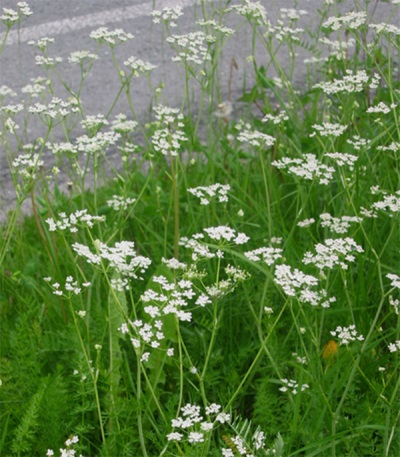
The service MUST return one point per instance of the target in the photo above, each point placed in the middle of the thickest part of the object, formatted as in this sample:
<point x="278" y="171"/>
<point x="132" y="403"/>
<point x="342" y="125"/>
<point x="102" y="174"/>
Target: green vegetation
<point x="225" y="285"/>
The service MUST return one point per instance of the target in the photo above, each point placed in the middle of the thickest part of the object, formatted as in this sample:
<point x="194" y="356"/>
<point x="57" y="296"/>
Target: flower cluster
<point x="338" y="224"/>
<point x="93" y="123"/>
<point x="351" y="82"/>
<point x="333" y="252"/>
<point x="36" y="88"/>
<point x="138" y="66"/>
<point x="121" y="124"/>
<point x="251" y="10"/>
<point x="11" y="17"/>
<point x="56" y="109"/>
<point x="222" y="29"/>
<point x="255" y="138"/>
<point x="206" y="193"/>
<point x="192" y="424"/>
<point x="118" y="203"/>
<point x="167" y="15"/>
<point x="110" y="37"/>
<point x="297" y="284"/>
<point x="308" y="167"/>
<point x="68" y="452"/>
<point x="328" y="129"/>
<point x="381" y="108"/>
<point x="343" y="159"/>
<point x="71" y="287"/>
<point x="145" y="334"/>
<point x="390" y="203"/>
<point x="47" y="62"/>
<point x="346" y="334"/>
<point x="268" y="255"/>
<point x="338" y="48"/>
<point x="96" y="144"/>
<point x="168" y="139"/>
<point x="192" y="47"/>
<point x="80" y="57"/>
<point x="395" y="280"/>
<point x="122" y="257"/>
<point x="352" y="20"/>
<point x="80" y="218"/>
<point x="6" y="91"/>
<point x="27" y="165"/>
<point x="293" y="386"/>
<point x="277" y="118"/>
<point x="393" y="347"/>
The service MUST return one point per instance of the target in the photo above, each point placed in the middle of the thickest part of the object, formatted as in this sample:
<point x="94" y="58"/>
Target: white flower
<point x="347" y="334"/>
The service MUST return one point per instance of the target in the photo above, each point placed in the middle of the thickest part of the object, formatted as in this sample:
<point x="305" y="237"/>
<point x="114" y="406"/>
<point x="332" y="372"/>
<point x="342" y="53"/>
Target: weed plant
<point x="224" y="285"/>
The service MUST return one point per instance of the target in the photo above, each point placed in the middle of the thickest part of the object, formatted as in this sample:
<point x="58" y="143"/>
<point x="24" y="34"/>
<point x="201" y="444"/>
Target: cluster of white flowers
<point x="12" y="110"/>
<point x="293" y="386"/>
<point x="27" y="165"/>
<point x="10" y="125"/>
<point x="386" y="28"/>
<point x="359" y="142"/>
<point x="255" y="138"/>
<point x="346" y="334"/>
<point x="268" y="255"/>
<point x="36" y="88"/>
<point x="118" y="203"/>
<point x="224" y="233"/>
<point x="394" y="146"/>
<point x="192" y="47"/>
<point x="194" y="425"/>
<point x="96" y="144"/>
<point x="6" y="91"/>
<point x="138" y="66"/>
<point x="297" y="284"/>
<point x="282" y="32"/>
<point x="306" y="222"/>
<point x="42" y="43"/>
<point x="121" y="125"/>
<point x="206" y="193"/>
<point x="47" y="62"/>
<point x="251" y="10"/>
<point x="80" y="218"/>
<point x="11" y="17"/>
<point x="222" y="29"/>
<point x="308" y="167"/>
<point x="145" y="334"/>
<point x="333" y="252"/>
<point x="390" y="203"/>
<point x="292" y="14"/>
<point x="174" y="299"/>
<point x="343" y="159"/>
<point x="395" y="280"/>
<point x="69" y="452"/>
<point x="71" y="287"/>
<point x="62" y="149"/>
<point x="393" y="347"/>
<point x="168" y="140"/>
<point x="351" y="82"/>
<point x="338" y="224"/>
<point x="122" y="257"/>
<point x="110" y="37"/>
<point x="352" y="20"/>
<point x="167" y="15"/>
<point x="93" y="123"/>
<point x="276" y="119"/>
<point x="328" y="129"/>
<point x="338" y="48"/>
<point x="80" y="57"/>
<point x="56" y="109"/>
<point x="382" y="108"/>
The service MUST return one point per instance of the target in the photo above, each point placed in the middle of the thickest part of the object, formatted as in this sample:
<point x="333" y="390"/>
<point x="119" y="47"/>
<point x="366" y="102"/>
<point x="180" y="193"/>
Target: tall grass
<point x="225" y="284"/>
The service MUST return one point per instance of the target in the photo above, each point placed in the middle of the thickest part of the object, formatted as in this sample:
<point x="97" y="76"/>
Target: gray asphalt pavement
<point x="70" y="22"/>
